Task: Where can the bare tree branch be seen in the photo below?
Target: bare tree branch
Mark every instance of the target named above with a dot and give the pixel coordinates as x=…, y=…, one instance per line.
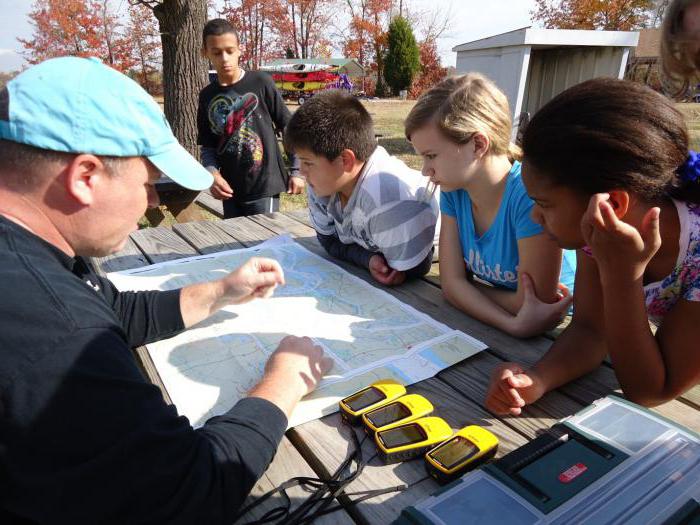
x=151, y=4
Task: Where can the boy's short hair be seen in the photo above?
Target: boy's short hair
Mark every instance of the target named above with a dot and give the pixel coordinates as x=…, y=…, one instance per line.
x=218, y=27
x=330, y=122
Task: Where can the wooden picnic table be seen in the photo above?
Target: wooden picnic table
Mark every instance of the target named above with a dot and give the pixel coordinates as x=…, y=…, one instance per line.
x=319, y=447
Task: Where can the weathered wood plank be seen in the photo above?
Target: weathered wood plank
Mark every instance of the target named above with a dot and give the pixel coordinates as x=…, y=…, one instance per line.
x=471, y=379
x=205, y=238
x=244, y=230
x=128, y=257
x=692, y=396
x=300, y=215
x=162, y=244
x=209, y=203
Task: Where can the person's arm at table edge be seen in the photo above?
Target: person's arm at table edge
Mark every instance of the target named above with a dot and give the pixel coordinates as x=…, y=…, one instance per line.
x=352, y=253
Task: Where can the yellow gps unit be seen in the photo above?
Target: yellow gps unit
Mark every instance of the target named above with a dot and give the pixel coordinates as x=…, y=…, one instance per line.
x=404, y=409
x=377, y=394
x=412, y=439
x=470, y=447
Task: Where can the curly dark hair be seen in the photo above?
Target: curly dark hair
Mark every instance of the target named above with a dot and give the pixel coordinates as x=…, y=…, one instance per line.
x=605, y=134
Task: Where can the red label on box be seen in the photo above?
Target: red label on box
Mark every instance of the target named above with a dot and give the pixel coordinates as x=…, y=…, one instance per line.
x=572, y=472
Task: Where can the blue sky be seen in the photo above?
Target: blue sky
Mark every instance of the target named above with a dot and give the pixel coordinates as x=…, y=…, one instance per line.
x=470, y=20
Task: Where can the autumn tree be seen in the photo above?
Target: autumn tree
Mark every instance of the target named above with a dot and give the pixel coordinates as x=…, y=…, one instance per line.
x=611, y=15
x=431, y=70
x=402, y=57
x=367, y=35
x=180, y=24
x=306, y=25
x=143, y=30
x=117, y=46
x=259, y=24
x=77, y=28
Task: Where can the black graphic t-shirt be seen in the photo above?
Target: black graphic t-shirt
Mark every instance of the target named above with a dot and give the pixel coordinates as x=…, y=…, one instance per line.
x=239, y=121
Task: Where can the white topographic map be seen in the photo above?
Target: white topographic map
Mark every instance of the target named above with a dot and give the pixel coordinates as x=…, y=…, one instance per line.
x=369, y=334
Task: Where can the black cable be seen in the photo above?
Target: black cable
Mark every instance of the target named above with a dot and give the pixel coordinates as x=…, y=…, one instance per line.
x=368, y=494
x=325, y=492
x=306, y=510
x=322, y=486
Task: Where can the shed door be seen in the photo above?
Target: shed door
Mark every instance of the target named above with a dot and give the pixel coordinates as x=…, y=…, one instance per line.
x=554, y=70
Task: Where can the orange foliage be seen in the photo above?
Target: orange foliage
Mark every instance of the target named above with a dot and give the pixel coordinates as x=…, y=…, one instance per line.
x=145, y=37
x=431, y=70
x=368, y=30
x=259, y=24
x=76, y=28
x=611, y=15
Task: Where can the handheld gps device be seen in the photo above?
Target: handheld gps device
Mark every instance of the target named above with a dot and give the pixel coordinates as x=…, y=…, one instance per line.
x=470, y=447
x=404, y=409
x=412, y=439
x=377, y=394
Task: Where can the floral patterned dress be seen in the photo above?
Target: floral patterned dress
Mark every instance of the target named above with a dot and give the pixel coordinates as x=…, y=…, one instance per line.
x=684, y=280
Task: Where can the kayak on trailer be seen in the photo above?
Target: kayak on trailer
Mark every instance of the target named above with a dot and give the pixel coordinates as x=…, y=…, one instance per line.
x=290, y=68
x=313, y=76
x=300, y=86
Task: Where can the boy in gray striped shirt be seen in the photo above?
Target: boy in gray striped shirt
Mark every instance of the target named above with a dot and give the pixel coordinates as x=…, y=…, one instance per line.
x=366, y=206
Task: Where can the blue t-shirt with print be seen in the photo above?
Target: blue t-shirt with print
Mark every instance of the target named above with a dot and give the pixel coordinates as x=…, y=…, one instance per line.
x=493, y=257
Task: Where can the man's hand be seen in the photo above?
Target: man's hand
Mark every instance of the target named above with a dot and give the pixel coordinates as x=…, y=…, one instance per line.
x=535, y=316
x=383, y=273
x=220, y=189
x=292, y=371
x=256, y=278
x=511, y=388
x=296, y=185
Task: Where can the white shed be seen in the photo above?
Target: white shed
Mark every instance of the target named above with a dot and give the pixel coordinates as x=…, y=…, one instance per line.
x=533, y=65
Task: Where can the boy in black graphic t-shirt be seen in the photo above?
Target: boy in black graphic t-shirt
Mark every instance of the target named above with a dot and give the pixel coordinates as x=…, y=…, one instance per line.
x=237, y=119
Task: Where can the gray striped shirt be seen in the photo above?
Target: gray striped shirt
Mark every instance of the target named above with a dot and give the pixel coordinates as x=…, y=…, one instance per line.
x=387, y=212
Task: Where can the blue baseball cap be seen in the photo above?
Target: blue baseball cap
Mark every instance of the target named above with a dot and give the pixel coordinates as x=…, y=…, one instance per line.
x=80, y=105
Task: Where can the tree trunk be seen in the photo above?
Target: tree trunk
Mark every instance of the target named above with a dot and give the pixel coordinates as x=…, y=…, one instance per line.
x=184, y=70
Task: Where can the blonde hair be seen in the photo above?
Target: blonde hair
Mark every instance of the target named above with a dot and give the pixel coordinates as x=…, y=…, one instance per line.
x=463, y=105
x=677, y=62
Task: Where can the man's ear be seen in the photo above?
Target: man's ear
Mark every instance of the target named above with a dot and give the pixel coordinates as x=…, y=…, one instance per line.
x=82, y=177
x=203, y=53
x=482, y=144
x=620, y=202
x=349, y=160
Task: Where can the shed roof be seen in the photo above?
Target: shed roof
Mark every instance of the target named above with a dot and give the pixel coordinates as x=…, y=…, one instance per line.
x=539, y=38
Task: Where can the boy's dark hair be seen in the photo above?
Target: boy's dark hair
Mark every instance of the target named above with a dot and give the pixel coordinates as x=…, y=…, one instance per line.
x=330, y=122
x=218, y=27
x=607, y=134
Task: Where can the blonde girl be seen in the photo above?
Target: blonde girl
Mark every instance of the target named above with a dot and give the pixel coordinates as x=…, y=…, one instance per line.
x=496, y=264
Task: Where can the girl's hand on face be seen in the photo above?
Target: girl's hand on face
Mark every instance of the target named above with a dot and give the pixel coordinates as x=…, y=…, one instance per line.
x=536, y=316
x=619, y=248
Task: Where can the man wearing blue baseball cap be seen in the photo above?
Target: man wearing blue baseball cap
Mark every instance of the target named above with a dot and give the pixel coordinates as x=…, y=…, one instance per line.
x=84, y=438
